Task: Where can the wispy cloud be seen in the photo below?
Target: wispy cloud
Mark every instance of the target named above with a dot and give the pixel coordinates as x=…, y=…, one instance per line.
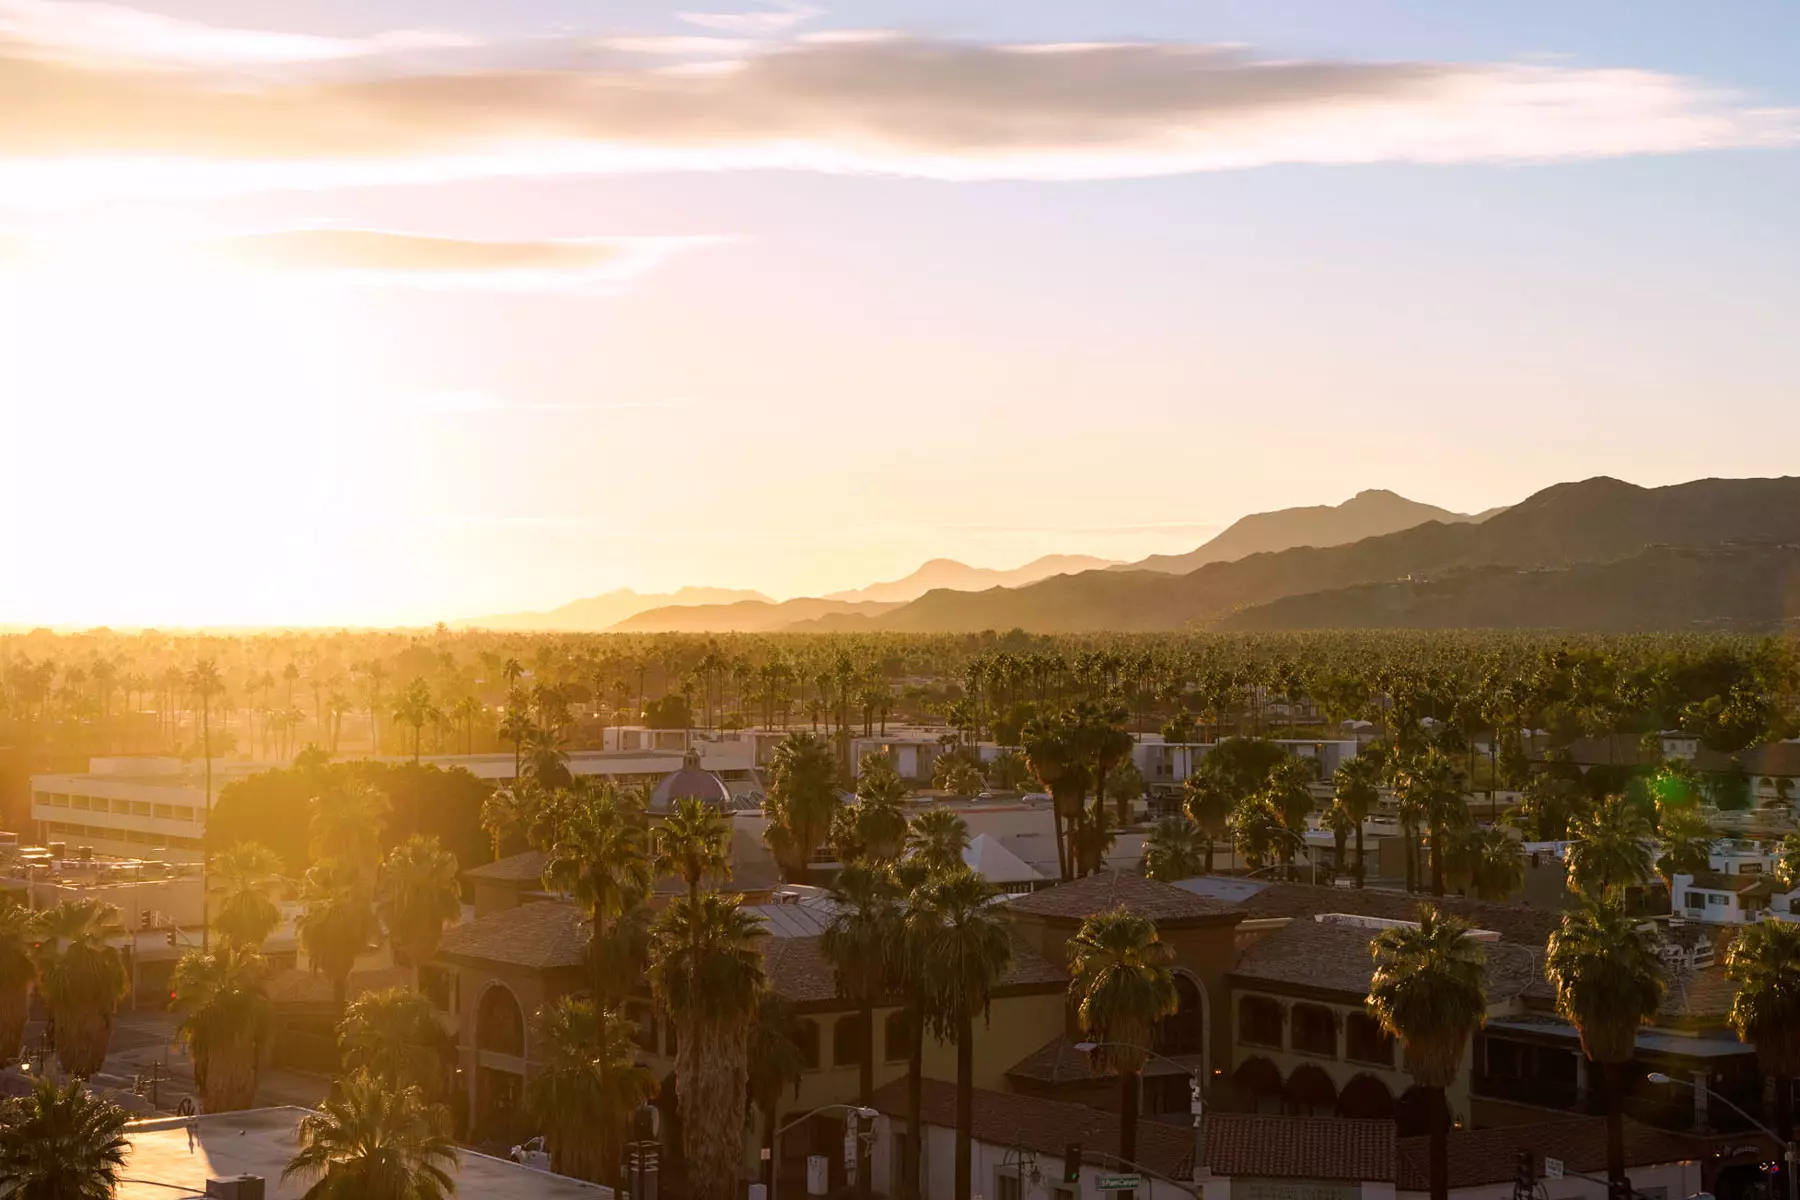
x=468, y=403
x=873, y=103
x=763, y=22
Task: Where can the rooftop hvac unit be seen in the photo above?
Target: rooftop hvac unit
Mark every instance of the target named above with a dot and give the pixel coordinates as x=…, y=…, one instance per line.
x=244, y=1187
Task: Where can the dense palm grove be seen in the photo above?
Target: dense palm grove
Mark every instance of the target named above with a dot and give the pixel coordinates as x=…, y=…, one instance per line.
x=1446, y=717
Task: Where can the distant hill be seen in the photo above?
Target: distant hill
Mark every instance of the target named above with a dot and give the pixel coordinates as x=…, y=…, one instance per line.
x=599, y=613
x=1749, y=589
x=746, y=616
x=960, y=577
x=1364, y=515
x=1595, y=521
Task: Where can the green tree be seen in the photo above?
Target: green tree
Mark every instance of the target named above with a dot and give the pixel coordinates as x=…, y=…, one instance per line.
x=1764, y=961
x=1356, y=785
x=1175, y=849
x=337, y=923
x=936, y=839
x=1684, y=842
x=226, y=1021
x=1487, y=862
x=395, y=1035
x=61, y=1143
x=858, y=943
x=1430, y=790
x=802, y=799
x=347, y=822
x=600, y=858
x=419, y=895
x=372, y=1141
x=968, y=951
x=1206, y=798
x=82, y=979
x=1610, y=851
x=1122, y=984
x=17, y=973
x=504, y=815
x=956, y=774
x=690, y=844
x=1427, y=992
x=1609, y=981
x=1787, y=860
x=243, y=884
x=707, y=975
x=587, y=1094
x=1546, y=806
x=1057, y=760
x=1342, y=823
x=415, y=708
x=1258, y=833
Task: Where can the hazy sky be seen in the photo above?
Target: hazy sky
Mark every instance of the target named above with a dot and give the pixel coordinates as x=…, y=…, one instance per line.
x=393, y=310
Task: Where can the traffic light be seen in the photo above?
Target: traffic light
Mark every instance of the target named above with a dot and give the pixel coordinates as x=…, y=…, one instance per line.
x=1524, y=1172
x=144, y=920
x=1072, y=1163
x=170, y=936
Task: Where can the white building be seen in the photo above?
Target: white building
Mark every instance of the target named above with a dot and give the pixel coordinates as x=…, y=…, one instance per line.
x=1739, y=887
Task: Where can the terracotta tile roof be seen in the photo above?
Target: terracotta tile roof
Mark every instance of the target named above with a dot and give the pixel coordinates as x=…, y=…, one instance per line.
x=1236, y=1143
x=1335, y=956
x=515, y=868
x=1486, y=1156
x=1513, y=922
x=1107, y=890
x=293, y=986
x=1698, y=994
x=1057, y=1061
x=799, y=972
x=540, y=937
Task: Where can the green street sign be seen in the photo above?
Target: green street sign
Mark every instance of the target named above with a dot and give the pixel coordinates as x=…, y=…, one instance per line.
x=1118, y=1183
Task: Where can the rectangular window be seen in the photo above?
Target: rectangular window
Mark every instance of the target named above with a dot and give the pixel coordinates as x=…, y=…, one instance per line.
x=1259, y=1021
x=1365, y=1041
x=1314, y=1030
x=140, y=808
x=80, y=802
x=56, y=799
x=163, y=811
x=1695, y=900
x=1006, y=1184
x=1714, y=900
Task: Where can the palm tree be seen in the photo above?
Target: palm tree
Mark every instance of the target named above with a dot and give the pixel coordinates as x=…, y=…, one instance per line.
x=395, y=1035
x=1206, y=798
x=226, y=1022
x=1342, y=823
x=1684, y=842
x=936, y=839
x=371, y=1141
x=690, y=844
x=419, y=896
x=955, y=774
x=801, y=800
x=1052, y=753
x=1175, y=849
x=82, y=979
x=504, y=814
x=707, y=975
x=337, y=923
x=1121, y=984
x=1431, y=791
x=1610, y=852
x=1764, y=961
x=859, y=945
x=774, y=1062
x=1609, y=980
x=17, y=973
x=518, y=728
x=1356, y=785
x=1427, y=992
x=1258, y=832
x=346, y=824
x=243, y=883
x=599, y=857
x=61, y=1143
x=1487, y=861
x=586, y=1094
x=414, y=707
x=966, y=949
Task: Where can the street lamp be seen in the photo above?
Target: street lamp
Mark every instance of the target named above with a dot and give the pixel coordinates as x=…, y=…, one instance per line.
x=861, y=1111
x=1195, y=1104
x=1787, y=1147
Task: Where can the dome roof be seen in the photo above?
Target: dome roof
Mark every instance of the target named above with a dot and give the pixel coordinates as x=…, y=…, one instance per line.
x=691, y=782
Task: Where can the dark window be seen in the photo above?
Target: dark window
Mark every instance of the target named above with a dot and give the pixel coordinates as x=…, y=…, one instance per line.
x=847, y=1042
x=896, y=1040
x=439, y=987
x=1366, y=1042
x=806, y=1036
x=1314, y=1030
x=1259, y=1021
x=1184, y=1030
x=499, y=1025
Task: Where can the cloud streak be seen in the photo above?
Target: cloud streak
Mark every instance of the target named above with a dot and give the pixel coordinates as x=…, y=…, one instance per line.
x=873, y=103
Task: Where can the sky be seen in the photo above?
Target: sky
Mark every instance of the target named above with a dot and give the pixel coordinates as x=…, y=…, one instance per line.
x=392, y=311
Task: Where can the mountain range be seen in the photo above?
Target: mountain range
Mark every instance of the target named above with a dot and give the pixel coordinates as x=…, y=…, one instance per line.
x=598, y=613
x=960, y=577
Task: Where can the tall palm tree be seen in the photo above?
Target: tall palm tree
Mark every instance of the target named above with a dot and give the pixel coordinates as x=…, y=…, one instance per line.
x=517, y=727
x=395, y=1035
x=346, y=824
x=1609, y=980
x=1427, y=992
x=774, y=1062
x=82, y=979
x=967, y=950
x=1206, y=798
x=226, y=1021
x=17, y=973
x=243, y=883
x=1054, y=755
x=707, y=975
x=504, y=815
x=204, y=682
x=585, y=1096
x=1121, y=984
x=600, y=858
x=1356, y=785
x=1175, y=849
x=859, y=945
x=372, y=1141
x=1430, y=790
x=1487, y=862
x=801, y=800
x=690, y=843
x=1342, y=823
x=415, y=707
x=1610, y=851
x=61, y=1143
x=419, y=895
x=337, y=923
x=936, y=839
x=1764, y=961
x=1684, y=842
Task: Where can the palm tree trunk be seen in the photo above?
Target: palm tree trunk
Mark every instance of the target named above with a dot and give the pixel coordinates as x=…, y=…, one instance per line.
x=965, y=1103
x=1440, y=1144
x=1615, y=1121
x=1130, y=1084
x=1207, y=834
x=768, y=1145
x=1437, y=860
x=913, y=1156
x=865, y=1163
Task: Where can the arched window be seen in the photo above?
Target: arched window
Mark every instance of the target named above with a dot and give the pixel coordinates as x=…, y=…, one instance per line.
x=1310, y=1093
x=1259, y=1021
x=499, y=1024
x=1367, y=1098
x=1257, y=1082
x=1312, y=1029
x=1184, y=1030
